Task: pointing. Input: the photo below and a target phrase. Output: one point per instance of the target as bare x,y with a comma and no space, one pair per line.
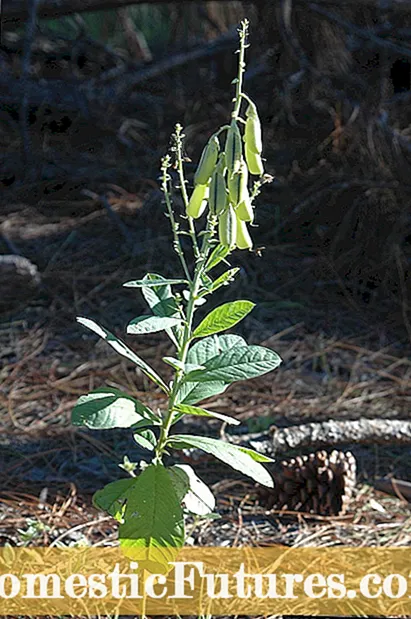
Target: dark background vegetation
88,101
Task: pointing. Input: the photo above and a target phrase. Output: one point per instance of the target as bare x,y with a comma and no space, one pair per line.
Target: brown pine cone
318,483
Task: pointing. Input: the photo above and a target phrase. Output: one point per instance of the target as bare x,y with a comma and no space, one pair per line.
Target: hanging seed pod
227,227
198,201
218,193
254,162
233,149
207,162
245,210
238,185
234,188
243,238
252,134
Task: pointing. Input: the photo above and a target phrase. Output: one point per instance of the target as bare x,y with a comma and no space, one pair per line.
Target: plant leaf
159,297
194,493
161,300
153,518
223,317
106,408
153,281
151,324
210,347
232,455
146,439
112,497
239,363
202,412
124,350
217,255
224,279
194,392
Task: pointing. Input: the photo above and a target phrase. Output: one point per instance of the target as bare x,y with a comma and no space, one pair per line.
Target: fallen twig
329,434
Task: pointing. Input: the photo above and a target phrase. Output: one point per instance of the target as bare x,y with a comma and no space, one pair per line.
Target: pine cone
319,483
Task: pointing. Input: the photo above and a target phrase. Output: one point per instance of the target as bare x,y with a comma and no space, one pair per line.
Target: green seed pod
244,210
243,238
238,185
233,149
218,193
252,134
207,162
254,162
234,188
227,227
198,201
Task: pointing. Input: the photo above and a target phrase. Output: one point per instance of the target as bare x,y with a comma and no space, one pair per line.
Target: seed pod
252,134
254,162
238,185
234,188
233,149
227,227
218,193
243,238
207,162
198,201
245,211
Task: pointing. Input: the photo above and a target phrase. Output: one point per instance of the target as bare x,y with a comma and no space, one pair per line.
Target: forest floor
342,359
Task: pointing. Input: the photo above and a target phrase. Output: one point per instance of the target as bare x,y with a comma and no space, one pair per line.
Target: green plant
149,506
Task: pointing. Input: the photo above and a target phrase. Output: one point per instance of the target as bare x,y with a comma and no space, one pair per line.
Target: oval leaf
146,439
210,347
112,497
151,324
223,317
196,496
194,392
104,409
232,455
153,517
239,363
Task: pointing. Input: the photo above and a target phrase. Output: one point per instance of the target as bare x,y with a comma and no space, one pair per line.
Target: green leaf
224,279
146,439
153,281
160,299
153,518
239,363
151,324
202,412
124,350
210,347
217,255
112,498
106,408
159,296
223,317
194,392
194,493
238,458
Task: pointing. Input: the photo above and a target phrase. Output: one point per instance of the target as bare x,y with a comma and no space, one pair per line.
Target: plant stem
187,335
241,68
165,164
179,157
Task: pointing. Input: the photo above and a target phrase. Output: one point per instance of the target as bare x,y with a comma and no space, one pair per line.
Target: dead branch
329,434
86,95
16,10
